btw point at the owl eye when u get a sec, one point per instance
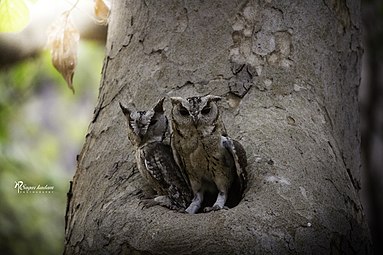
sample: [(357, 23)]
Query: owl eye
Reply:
[(184, 111), (206, 110)]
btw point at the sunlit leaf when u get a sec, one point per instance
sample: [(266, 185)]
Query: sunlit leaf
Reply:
[(63, 41), (101, 11), (14, 15)]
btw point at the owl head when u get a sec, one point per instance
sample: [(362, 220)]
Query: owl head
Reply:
[(196, 111), (146, 126)]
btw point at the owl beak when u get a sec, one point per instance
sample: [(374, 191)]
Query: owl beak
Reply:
[(195, 119)]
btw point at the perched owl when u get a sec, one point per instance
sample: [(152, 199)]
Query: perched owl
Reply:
[(211, 159), (154, 158)]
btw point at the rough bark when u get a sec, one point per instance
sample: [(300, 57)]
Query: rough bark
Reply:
[(290, 73)]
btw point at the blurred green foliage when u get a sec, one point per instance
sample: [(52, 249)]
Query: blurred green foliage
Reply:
[(42, 128), (14, 15)]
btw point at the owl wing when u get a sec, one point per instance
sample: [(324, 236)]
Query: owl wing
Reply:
[(238, 154), (178, 159), (152, 164), (160, 164), (176, 155)]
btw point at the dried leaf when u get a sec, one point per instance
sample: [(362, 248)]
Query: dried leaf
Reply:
[(63, 41), (101, 11), (14, 15)]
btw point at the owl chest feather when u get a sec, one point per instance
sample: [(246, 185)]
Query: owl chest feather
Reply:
[(203, 154)]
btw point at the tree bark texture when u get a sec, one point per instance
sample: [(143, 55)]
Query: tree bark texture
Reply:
[(289, 72)]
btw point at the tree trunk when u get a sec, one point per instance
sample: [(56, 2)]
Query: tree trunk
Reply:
[(289, 71)]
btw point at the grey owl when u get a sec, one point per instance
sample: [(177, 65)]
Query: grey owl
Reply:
[(211, 159), (154, 158)]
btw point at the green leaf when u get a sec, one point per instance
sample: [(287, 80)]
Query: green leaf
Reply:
[(14, 15)]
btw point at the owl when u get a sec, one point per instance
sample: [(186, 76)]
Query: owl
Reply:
[(211, 159), (154, 158)]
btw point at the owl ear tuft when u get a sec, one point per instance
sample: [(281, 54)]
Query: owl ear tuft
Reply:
[(176, 100), (213, 98), (159, 108), (127, 110)]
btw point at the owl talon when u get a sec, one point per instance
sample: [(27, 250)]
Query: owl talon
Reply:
[(214, 208), (207, 209)]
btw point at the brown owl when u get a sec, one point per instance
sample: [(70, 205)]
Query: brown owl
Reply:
[(211, 159)]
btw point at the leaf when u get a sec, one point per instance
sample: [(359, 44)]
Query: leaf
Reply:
[(63, 41), (101, 11), (14, 16)]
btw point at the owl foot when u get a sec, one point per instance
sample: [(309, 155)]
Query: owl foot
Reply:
[(195, 204), (192, 209), (214, 208)]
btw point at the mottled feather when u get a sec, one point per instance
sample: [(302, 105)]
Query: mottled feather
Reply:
[(154, 158)]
